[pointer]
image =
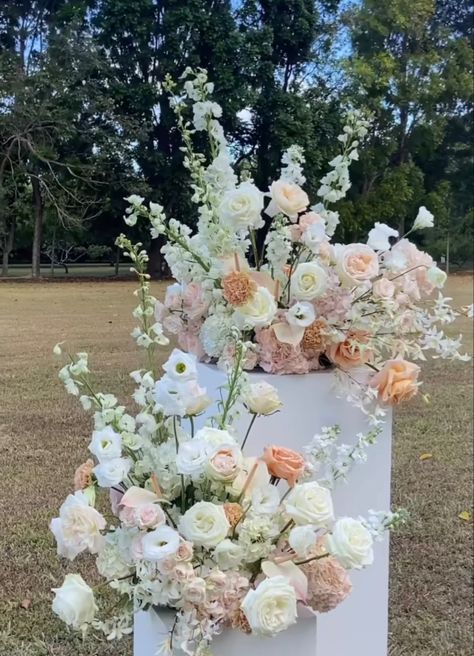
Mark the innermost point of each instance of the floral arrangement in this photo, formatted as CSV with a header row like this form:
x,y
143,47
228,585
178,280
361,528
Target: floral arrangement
x,y
262,262
192,522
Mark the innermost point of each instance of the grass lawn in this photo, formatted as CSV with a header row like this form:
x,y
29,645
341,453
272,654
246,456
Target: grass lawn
x,y
44,435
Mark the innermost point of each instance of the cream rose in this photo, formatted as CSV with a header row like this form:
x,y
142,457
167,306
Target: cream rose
x,y
205,524
258,311
74,602
78,527
309,281
310,503
241,207
228,554
262,398
224,464
271,607
287,198
356,264
351,543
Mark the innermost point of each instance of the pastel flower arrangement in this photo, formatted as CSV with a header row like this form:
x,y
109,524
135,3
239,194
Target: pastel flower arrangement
x,y
263,263
181,515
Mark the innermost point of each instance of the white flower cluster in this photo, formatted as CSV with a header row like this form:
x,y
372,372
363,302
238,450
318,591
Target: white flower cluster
x,y
293,160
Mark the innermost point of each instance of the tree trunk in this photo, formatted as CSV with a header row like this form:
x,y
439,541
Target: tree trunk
x,y
117,261
5,256
38,228
155,262
8,241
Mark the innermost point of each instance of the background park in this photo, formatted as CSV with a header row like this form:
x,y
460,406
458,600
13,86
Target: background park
x,y
84,122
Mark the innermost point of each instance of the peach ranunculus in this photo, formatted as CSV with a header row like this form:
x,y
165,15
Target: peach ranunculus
x,y
397,381
284,463
83,475
356,264
287,198
352,352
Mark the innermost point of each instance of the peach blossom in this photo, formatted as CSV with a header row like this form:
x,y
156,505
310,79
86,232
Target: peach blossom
x,y
284,463
396,381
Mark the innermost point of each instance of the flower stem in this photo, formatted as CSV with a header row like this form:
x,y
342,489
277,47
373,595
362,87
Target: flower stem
x,y
248,431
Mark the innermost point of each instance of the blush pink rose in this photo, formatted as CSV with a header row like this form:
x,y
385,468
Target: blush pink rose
x,y
356,264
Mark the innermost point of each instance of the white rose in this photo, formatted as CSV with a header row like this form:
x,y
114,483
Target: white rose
x,y
424,219
106,444
308,281
181,366
193,398
310,503
74,602
287,198
301,314
205,524
78,527
112,472
271,607
356,264
228,554
351,543
192,457
265,499
380,235
436,276
302,540
261,398
258,311
214,436
241,207
161,543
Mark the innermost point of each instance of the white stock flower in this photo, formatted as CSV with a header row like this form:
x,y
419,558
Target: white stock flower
x,y
241,208
181,366
261,398
228,554
301,314
258,311
308,281
106,444
271,607
112,472
74,602
265,500
134,200
78,527
205,524
310,503
214,436
424,219
351,543
436,276
302,540
379,237
287,198
161,543
192,457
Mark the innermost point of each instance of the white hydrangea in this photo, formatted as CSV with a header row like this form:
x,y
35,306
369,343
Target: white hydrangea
x,y
215,333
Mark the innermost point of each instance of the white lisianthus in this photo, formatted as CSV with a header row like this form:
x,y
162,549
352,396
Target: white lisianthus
x,y
436,276
78,527
308,281
106,444
271,607
112,472
379,237
301,314
351,543
74,602
161,543
214,436
166,396
265,500
424,219
302,540
287,198
205,524
228,554
310,503
261,398
258,311
192,457
241,207
181,366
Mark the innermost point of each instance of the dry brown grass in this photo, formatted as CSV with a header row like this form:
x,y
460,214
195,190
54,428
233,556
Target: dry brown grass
x,y
43,435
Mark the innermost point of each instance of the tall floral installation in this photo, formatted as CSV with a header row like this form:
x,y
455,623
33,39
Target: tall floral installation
x,y
198,522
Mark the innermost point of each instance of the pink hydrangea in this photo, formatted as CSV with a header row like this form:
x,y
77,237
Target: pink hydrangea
x,y
275,357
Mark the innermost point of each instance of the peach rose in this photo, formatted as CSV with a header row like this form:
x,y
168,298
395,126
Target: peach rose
x,y
83,475
397,381
284,463
287,198
348,354
356,264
